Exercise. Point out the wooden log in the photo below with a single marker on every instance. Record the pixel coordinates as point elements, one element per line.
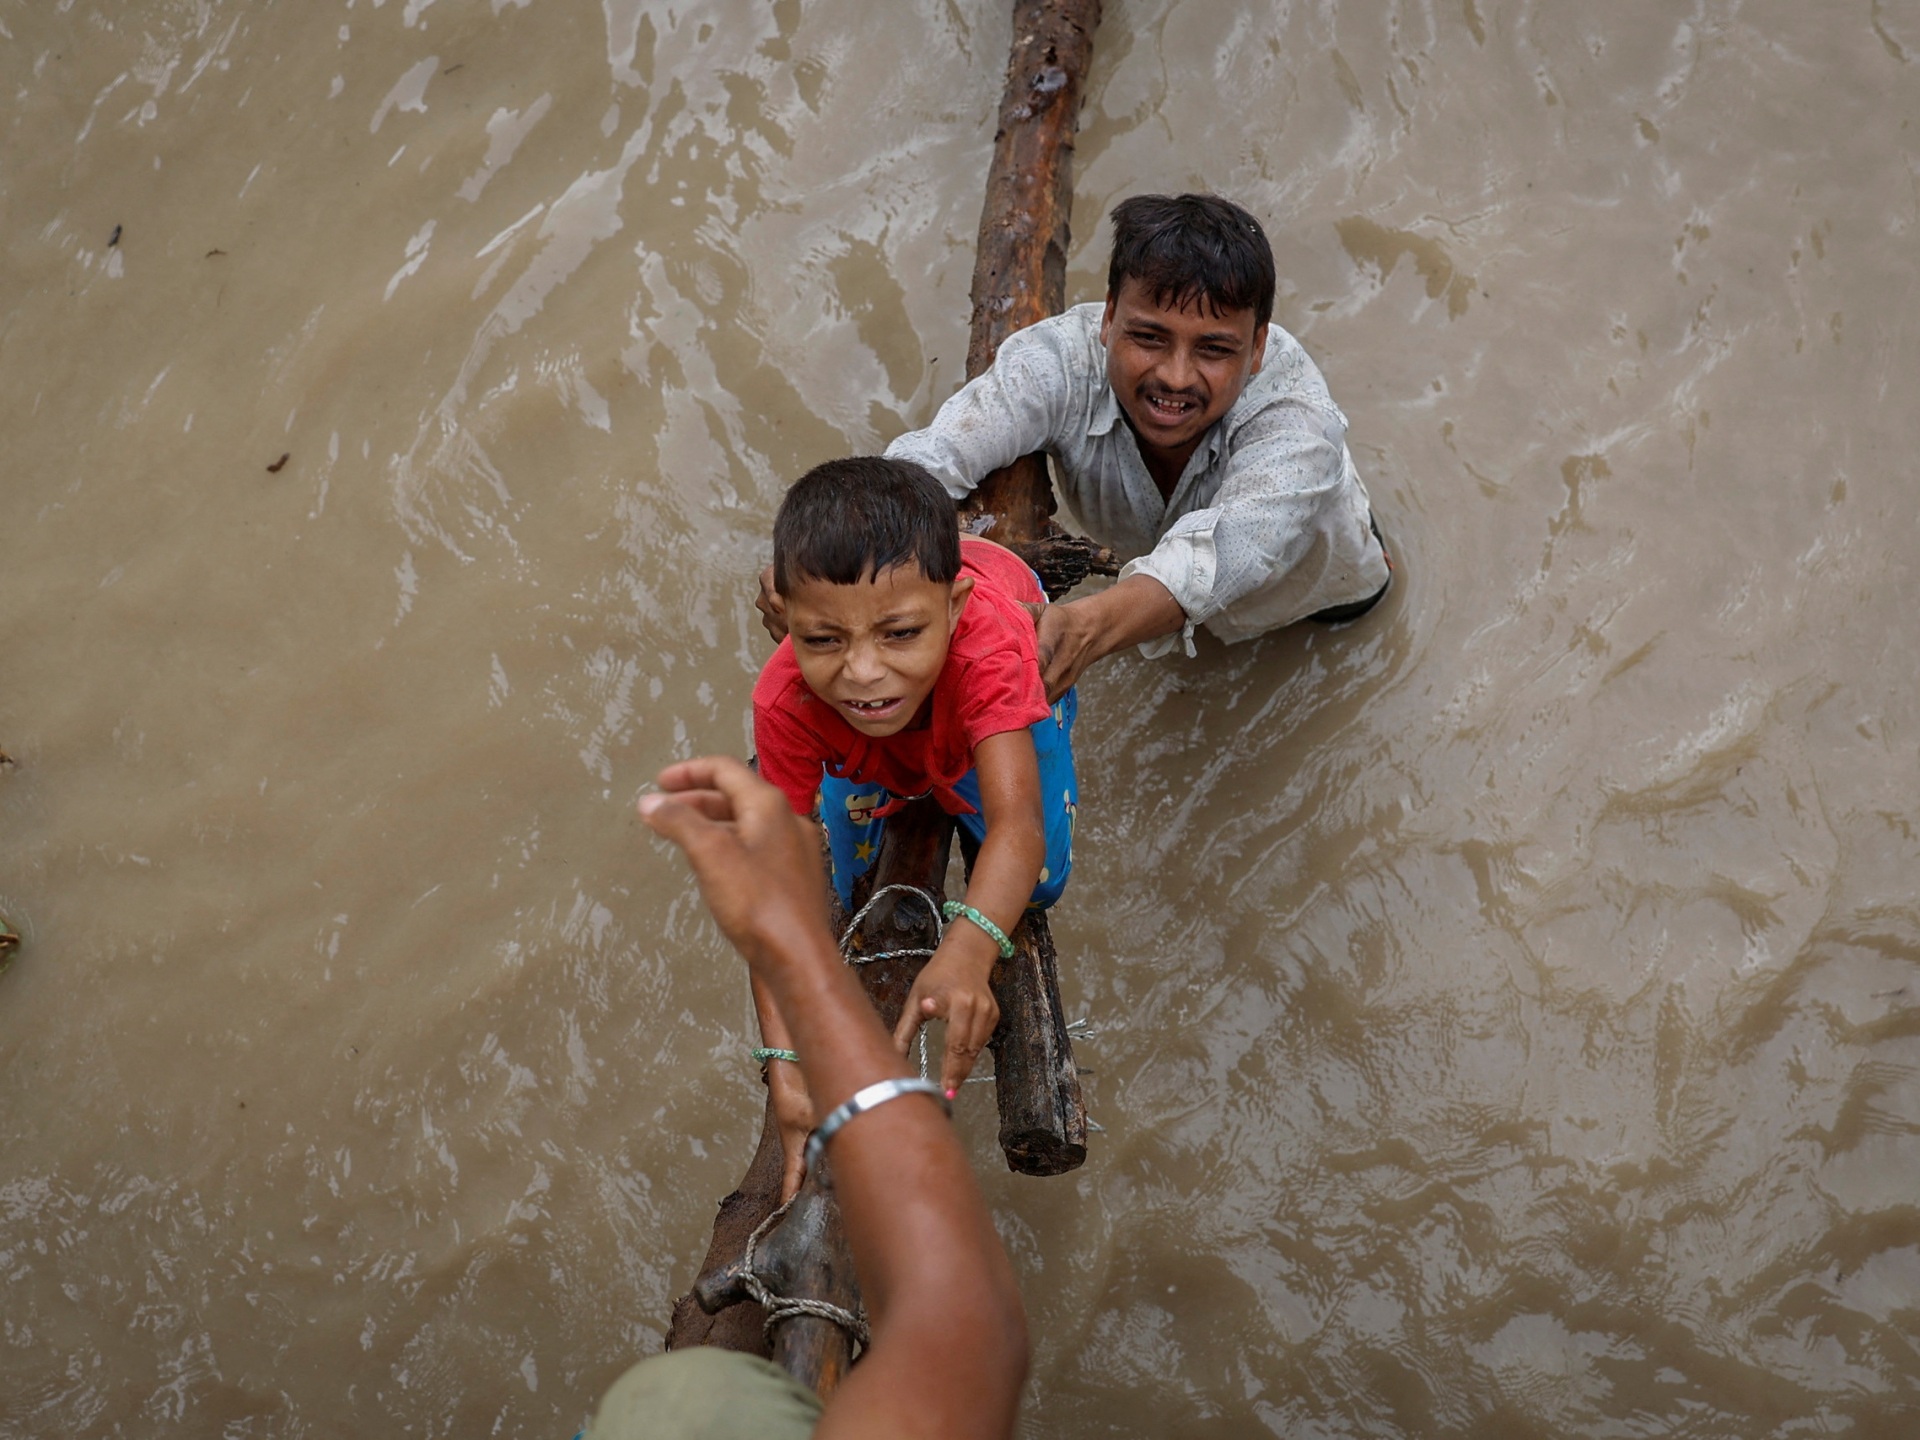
<point>1020,265</point>
<point>1019,277</point>
<point>804,1257</point>
<point>738,1326</point>
<point>1061,560</point>
<point>1043,1114</point>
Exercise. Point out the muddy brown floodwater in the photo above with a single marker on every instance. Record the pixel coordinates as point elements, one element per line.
<point>1509,1005</point>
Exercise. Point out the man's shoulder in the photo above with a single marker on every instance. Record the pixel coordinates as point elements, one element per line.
<point>1071,339</point>
<point>1288,379</point>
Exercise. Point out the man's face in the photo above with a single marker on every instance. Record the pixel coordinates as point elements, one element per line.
<point>1176,370</point>
<point>874,649</point>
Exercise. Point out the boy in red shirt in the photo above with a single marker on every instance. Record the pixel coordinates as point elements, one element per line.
<point>910,668</point>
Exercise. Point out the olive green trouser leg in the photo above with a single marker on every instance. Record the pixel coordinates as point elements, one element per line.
<point>705,1394</point>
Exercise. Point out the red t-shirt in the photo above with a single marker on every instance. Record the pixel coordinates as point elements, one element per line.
<point>989,685</point>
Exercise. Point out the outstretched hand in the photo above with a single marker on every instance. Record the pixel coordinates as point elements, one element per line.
<point>1074,633</point>
<point>950,989</point>
<point>758,864</point>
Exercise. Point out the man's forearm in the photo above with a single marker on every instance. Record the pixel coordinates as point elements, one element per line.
<point>949,1336</point>
<point>950,1345</point>
<point>1075,633</point>
<point>829,1022</point>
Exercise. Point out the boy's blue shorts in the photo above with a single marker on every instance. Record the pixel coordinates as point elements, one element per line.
<point>855,842</point>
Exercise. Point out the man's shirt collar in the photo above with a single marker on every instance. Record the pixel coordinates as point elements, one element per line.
<point>1106,412</point>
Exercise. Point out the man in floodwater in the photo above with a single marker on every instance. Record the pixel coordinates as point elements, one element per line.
<point>1186,432</point>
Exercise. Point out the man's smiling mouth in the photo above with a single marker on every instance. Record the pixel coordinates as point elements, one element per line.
<point>1170,407</point>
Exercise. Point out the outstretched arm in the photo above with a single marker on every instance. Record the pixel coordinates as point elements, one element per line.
<point>787,1089</point>
<point>950,1345</point>
<point>1075,633</point>
<point>953,985</point>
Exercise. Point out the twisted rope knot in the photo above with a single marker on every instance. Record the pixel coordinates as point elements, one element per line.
<point>933,910</point>
<point>781,1308</point>
<point>939,933</point>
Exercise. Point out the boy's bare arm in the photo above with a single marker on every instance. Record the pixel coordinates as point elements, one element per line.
<point>787,1087</point>
<point>954,985</point>
<point>950,1348</point>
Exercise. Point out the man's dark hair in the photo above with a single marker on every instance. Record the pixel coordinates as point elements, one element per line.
<point>850,520</point>
<point>1186,248</point>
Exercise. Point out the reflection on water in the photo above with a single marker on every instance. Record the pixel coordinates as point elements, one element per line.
<point>1507,1002</point>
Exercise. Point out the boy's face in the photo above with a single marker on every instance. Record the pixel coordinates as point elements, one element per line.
<point>1176,371</point>
<point>874,649</point>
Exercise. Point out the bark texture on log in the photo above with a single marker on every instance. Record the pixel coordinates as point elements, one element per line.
<point>1062,561</point>
<point>1043,1114</point>
<point>1020,267</point>
<point>740,1326</point>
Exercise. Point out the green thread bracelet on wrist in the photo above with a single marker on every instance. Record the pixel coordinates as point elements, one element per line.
<point>954,910</point>
<point>764,1053</point>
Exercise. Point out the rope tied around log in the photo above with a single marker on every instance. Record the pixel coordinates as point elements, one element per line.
<point>933,910</point>
<point>780,1307</point>
<point>939,933</point>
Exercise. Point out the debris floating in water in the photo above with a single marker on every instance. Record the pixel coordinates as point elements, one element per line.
<point>276,467</point>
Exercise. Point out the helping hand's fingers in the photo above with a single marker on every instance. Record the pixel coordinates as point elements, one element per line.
<point>710,803</point>
<point>1057,668</point>
<point>752,857</point>
<point>1057,675</point>
<point>682,818</point>
<point>727,790</point>
<point>709,772</point>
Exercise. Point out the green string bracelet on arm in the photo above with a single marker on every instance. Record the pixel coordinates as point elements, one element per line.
<point>763,1054</point>
<point>955,909</point>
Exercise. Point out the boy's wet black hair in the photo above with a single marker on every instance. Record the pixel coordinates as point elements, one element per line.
<point>1185,248</point>
<point>850,520</point>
